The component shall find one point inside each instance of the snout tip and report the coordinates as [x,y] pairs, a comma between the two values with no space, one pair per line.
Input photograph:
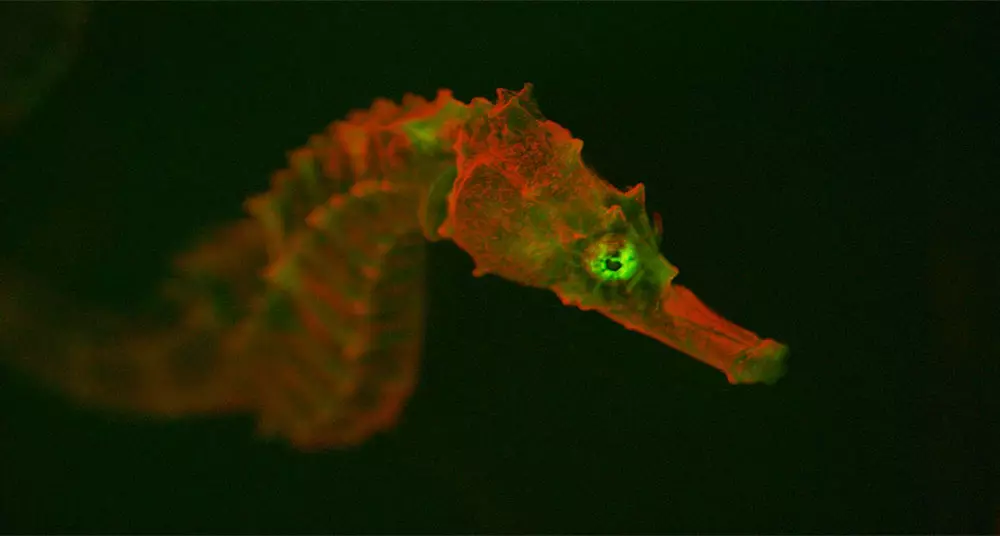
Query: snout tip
[764,363]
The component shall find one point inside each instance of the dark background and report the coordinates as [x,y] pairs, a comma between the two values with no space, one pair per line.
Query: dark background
[823,172]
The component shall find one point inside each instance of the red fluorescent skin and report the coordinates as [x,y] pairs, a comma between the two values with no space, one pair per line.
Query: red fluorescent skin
[310,313]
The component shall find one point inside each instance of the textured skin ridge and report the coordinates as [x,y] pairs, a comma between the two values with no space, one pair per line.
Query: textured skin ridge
[355,282]
[347,255]
[372,144]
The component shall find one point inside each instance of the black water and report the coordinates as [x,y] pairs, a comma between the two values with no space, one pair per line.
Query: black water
[824,176]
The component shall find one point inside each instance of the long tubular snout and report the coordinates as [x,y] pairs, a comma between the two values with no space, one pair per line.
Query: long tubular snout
[683,322]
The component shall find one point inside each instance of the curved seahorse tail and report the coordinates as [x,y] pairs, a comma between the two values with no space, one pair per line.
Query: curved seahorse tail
[171,364]
[156,372]
[310,313]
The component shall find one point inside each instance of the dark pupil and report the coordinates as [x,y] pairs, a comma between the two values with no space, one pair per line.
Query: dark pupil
[613,264]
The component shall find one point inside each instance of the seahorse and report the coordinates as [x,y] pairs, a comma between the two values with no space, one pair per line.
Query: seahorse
[309,312]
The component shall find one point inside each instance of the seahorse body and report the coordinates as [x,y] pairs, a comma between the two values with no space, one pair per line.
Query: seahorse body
[311,312]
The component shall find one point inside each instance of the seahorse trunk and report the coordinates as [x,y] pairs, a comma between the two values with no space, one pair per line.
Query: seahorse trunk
[336,342]
[343,366]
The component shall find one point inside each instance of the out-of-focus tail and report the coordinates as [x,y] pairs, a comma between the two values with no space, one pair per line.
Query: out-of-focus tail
[175,365]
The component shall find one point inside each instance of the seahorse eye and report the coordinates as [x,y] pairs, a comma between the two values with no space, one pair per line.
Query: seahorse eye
[611,258]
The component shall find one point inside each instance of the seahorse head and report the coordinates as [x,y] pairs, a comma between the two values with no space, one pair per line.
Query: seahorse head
[526,208]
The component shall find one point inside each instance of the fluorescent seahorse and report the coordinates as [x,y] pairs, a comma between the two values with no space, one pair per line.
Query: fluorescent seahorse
[310,312]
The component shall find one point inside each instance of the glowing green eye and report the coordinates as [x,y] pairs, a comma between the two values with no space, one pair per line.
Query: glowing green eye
[611,258]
